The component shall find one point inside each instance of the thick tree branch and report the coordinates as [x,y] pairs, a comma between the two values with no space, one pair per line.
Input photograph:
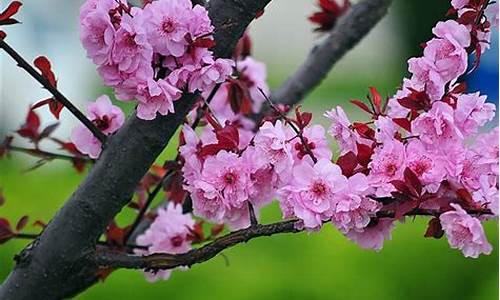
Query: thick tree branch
[22,63]
[57,264]
[350,29]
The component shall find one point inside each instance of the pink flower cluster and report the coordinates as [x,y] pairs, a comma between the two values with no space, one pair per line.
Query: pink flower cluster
[422,152]
[106,117]
[169,233]
[151,54]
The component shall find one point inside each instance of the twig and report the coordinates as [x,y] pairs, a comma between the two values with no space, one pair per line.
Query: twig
[22,63]
[292,125]
[45,154]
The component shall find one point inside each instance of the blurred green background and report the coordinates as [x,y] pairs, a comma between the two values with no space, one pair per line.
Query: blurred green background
[322,265]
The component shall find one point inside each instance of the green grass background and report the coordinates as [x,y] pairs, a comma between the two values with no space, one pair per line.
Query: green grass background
[322,265]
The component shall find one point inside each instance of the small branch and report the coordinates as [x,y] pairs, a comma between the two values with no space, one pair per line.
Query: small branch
[45,154]
[144,208]
[22,63]
[350,29]
[169,261]
[253,218]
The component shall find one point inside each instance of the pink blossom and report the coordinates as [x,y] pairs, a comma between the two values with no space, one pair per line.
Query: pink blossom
[396,110]
[97,35]
[437,125]
[199,23]
[428,166]
[424,72]
[169,233]
[341,131]
[464,232]
[454,32]
[106,117]
[458,4]
[316,141]
[132,48]
[471,170]
[207,201]
[156,97]
[227,173]
[208,76]
[385,129]
[388,164]
[487,194]
[353,209]
[472,112]
[446,58]
[311,191]
[263,180]
[373,236]
[486,146]
[166,24]
[271,144]
[254,74]
[191,170]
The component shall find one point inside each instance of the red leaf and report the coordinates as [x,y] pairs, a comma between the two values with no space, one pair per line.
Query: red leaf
[47,131]
[244,47]
[376,99]
[216,229]
[43,64]
[204,42]
[22,223]
[196,234]
[39,223]
[347,163]
[361,105]
[401,186]
[412,180]
[434,229]
[11,10]
[6,232]
[403,123]
[30,128]
[2,35]
[364,130]
[364,155]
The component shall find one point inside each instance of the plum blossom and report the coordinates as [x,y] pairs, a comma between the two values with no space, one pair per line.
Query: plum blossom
[341,130]
[487,194]
[388,164]
[97,35]
[385,129]
[464,232]
[310,194]
[271,144]
[437,125]
[426,164]
[374,235]
[132,48]
[205,78]
[486,146]
[472,112]
[156,97]
[166,23]
[106,117]
[352,208]
[169,233]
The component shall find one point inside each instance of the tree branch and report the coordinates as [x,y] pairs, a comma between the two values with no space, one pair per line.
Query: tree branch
[48,155]
[22,63]
[160,261]
[350,29]
[57,264]
[109,259]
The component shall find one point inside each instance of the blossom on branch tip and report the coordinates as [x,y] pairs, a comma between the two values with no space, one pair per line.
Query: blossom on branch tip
[106,117]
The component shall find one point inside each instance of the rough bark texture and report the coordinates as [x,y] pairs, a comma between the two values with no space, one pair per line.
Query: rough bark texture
[350,29]
[59,263]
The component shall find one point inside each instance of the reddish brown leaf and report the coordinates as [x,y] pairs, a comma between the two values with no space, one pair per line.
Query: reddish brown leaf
[434,229]
[403,123]
[43,64]
[364,155]
[361,105]
[11,10]
[376,99]
[22,223]
[412,181]
[216,229]
[6,232]
[347,163]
